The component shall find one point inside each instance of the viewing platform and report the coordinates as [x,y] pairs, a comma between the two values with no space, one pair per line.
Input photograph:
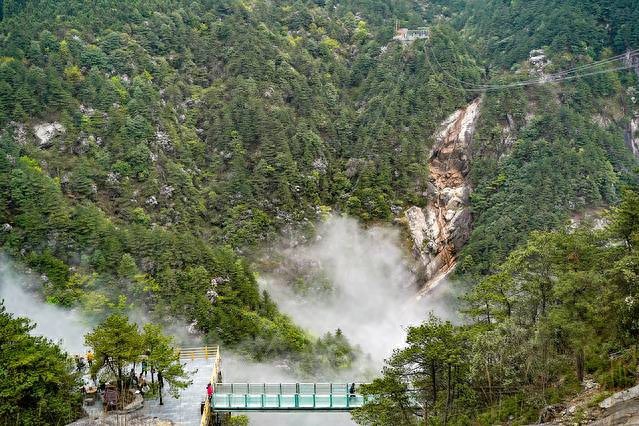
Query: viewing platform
[285,397]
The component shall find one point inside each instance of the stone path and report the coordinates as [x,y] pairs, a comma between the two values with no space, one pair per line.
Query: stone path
[184,411]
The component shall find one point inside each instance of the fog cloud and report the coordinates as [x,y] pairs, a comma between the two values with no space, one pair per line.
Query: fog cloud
[373,301]
[60,325]
[374,297]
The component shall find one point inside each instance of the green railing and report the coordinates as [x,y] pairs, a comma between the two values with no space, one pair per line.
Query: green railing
[285,396]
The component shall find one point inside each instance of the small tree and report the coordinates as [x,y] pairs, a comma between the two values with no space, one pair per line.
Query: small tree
[116,344]
[165,360]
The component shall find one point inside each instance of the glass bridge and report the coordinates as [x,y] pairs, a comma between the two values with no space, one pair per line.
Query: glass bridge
[285,397]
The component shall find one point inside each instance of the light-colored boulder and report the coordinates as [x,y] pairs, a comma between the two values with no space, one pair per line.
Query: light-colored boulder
[632,136]
[46,132]
[618,397]
[417,226]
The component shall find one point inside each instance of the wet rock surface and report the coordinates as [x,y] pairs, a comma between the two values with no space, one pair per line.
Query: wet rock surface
[441,229]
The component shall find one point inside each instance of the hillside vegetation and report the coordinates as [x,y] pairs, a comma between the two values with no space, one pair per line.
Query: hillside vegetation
[149,148]
[561,308]
[192,134]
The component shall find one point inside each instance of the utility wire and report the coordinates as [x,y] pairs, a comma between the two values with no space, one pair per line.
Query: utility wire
[551,78]
[627,54]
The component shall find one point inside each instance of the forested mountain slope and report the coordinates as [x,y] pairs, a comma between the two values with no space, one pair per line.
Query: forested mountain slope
[148,147]
[140,139]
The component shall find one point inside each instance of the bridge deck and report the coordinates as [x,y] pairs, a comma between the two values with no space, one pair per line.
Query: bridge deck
[284,397]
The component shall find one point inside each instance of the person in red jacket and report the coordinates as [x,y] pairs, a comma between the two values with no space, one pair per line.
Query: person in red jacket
[209,390]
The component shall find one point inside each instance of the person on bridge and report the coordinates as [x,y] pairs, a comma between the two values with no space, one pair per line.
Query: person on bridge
[209,390]
[351,391]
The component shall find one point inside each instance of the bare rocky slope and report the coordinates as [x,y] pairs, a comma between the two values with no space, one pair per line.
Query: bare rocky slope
[442,227]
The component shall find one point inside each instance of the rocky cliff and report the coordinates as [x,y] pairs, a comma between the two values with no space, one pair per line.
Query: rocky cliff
[440,229]
[632,136]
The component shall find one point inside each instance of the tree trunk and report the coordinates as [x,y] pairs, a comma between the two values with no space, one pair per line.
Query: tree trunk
[580,364]
[490,387]
[161,385]
[448,395]
[121,384]
[452,392]
[434,380]
[508,307]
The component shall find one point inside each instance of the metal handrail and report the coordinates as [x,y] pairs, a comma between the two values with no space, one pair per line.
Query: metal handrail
[261,401]
[206,413]
[292,396]
[281,388]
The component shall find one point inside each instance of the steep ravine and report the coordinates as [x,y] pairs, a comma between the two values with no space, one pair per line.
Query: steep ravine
[442,227]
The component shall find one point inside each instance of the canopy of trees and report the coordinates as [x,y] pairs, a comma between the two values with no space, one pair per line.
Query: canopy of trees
[556,309]
[38,382]
[118,346]
[196,132]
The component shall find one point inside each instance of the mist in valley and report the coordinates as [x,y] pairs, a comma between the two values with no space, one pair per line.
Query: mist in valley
[371,297]
[372,300]
[65,327]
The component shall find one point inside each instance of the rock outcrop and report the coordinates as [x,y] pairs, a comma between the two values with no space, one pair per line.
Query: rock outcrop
[441,229]
[625,395]
[538,62]
[45,133]
[632,136]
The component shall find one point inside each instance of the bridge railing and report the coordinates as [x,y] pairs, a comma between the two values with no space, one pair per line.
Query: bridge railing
[206,352]
[284,388]
[256,396]
[203,352]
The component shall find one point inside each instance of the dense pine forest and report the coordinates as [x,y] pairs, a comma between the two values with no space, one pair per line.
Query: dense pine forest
[150,150]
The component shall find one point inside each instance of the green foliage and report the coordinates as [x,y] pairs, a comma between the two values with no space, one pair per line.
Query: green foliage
[508,31]
[559,164]
[118,344]
[38,385]
[196,131]
[176,273]
[558,308]
[238,420]
[163,358]
[257,144]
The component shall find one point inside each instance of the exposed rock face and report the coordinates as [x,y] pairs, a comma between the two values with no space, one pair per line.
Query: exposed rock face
[632,136]
[538,62]
[45,133]
[441,229]
[595,217]
[625,395]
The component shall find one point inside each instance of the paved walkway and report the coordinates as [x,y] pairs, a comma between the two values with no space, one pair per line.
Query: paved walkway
[184,411]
